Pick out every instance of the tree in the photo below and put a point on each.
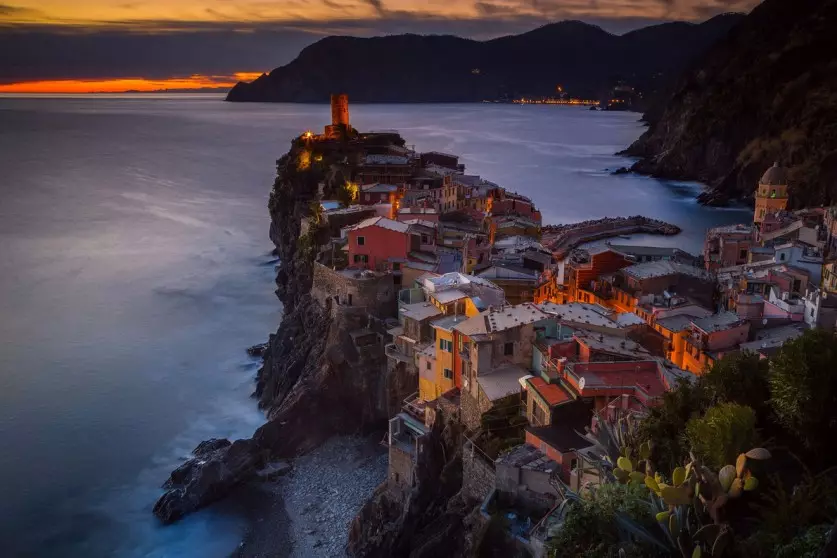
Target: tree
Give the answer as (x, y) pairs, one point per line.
(740, 378)
(720, 435)
(803, 388)
(666, 424)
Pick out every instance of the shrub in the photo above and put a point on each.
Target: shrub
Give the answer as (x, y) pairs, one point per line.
(666, 424)
(803, 388)
(739, 378)
(726, 430)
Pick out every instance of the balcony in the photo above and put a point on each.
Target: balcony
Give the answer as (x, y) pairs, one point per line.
(414, 406)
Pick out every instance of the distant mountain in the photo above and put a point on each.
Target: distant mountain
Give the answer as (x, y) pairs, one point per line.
(768, 92)
(586, 60)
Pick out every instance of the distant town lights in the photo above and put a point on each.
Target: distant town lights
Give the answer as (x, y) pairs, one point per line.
(308, 134)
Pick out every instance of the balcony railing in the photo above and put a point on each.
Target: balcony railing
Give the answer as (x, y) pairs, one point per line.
(415, 406)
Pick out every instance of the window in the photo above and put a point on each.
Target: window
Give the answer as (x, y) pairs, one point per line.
(459, 343)
(361, 241)
(428, 365)
(538, 415)
(425, 239)
(742, 255)
(782, 257)
(361, 258)
(396, 266)
(448, 374)
(446, 345)
(508, 349)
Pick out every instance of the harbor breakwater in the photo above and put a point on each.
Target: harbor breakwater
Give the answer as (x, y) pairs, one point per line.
(562, 239)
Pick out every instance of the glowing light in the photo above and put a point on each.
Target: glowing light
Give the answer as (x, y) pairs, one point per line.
(304, 160)
(353, 190)
(308, 134)
(123, 85)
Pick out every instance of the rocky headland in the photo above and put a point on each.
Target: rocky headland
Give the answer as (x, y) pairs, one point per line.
(316, 382)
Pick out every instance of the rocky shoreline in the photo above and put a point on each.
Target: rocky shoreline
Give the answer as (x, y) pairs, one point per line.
(308, 512)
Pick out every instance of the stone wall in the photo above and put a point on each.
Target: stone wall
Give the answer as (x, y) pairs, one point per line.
(527, 488)
(478, 475)
(401, 469)
(374, 293)
(474, 407)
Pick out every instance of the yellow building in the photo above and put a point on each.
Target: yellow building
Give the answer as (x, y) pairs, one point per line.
(772, 192)
(426, 362)
(444, 377)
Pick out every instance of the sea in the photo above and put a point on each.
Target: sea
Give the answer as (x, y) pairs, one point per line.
(135, 269)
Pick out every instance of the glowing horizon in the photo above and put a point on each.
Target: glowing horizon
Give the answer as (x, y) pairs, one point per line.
(158, 13)
(124, 85)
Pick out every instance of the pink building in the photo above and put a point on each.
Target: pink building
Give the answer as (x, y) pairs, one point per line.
(727, 246)
(381, 244)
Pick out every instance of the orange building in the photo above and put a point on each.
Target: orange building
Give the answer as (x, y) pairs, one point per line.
(585, 266)
(772, 192)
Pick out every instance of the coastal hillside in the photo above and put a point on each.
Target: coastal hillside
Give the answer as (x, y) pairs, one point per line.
(586, 60)
(768, 92)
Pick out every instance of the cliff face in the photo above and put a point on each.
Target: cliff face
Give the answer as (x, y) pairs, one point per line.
(434, 519)
(583, 58)
(766, 93)
(316, 382)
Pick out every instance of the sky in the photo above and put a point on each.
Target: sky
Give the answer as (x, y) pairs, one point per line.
(117, 45)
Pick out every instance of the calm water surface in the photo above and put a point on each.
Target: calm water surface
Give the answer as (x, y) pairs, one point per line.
(135, 269)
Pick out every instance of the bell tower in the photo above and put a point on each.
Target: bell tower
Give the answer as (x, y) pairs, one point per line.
(772, 192)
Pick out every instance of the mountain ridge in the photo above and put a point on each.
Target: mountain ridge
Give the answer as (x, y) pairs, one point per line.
(584, 58)
(765, 93)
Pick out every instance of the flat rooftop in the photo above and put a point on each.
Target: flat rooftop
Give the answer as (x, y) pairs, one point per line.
(502, 381)
(612, 345)
(680, 322)
(552, 394)
(717, 322)
(448, 322)
(529, 457)
(386, 160)
(419, 311)
(581, 313)
(774, 337)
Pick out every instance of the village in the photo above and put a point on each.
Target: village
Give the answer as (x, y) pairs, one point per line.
(530, 335)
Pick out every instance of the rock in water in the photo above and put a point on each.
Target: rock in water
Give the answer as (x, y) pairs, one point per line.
(257, 350)
(217, 468)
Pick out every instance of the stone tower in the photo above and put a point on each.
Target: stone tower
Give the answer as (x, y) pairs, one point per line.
(340, 110)
(339, 116)
(772, 192)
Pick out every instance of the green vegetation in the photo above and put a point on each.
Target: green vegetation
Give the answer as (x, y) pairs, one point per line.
(726, 430)
(689, 480)
(803, 388)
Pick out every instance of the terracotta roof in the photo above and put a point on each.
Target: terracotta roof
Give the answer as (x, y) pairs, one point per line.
(553, 394)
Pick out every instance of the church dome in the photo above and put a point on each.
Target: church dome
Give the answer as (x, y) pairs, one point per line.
(775, 176)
